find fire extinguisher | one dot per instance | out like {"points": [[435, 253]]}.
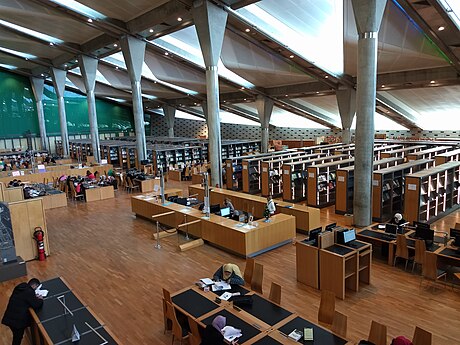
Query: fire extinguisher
{"points": [[38, 236]]}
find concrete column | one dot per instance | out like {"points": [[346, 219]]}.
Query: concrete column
{"points": [[133, 52], [346, 100], [151, 124], [170, 113], [204, 106], [264, 109], [88, 68], [210, 21], [38, 84], [59, 77], [368, 16]]}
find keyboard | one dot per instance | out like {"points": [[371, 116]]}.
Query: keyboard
{"points": [[388, 237], [353, 244]]}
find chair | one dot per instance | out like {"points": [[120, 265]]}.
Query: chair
{"points": [[430, 268], [326, 307], [167, 318], [339, 324], [194, 334], [378, 334], [457, 226], [177, 330], [257, 278], [73, 193], [130, 184], [401, 250], [420, 249], [421, 337], [275, 293], [167, 295], [248, 271]]}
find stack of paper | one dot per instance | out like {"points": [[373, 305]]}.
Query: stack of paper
{"points": [[231, 333], [40, 292], [295, 335], [207, 281], [226, 296], [220, 286]]}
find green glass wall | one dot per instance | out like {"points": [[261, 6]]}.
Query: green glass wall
{"points": [[18, 113]]}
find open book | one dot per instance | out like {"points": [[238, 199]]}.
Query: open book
{"points": [[219, 286], [231, 333]]}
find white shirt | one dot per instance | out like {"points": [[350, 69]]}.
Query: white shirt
{"points": [[271, 206]]}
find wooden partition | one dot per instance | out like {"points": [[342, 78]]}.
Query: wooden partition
{"points": [[11, 194]]}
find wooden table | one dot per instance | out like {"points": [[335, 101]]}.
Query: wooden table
{"points": [[175, 175], [307, 218], [148, 185], [241, 239], [99, 193]]}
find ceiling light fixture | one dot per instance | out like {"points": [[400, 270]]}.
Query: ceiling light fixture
{"points": [[383, 85], [179, 19], [51, 44], [317, 92], [247, 30], [166, 53], [90, 20], [151, 30], [291, 56], [326, 77], [441, 28], [432, 82], [115, 45], [242, 88]]}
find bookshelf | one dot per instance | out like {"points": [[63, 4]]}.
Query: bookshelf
{"points": [[432, 193], [345, 183], [388, 188], [402, 152], [322, 182], [429, 153], [447, 157]]}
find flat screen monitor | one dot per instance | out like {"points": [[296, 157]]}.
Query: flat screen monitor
{"points": [[225, 212], [391, 228], [421, 225], [455, 233], [313, 234], [424, 233], [214, 209], [330, 227], [349, 236]]}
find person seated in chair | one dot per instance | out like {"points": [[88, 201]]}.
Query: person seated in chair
{"points": [[229, 273], [398, 219], [228, 203]]}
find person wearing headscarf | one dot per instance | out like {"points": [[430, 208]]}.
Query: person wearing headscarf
{"points": [[212, 335], [230, 273], [398, 219]]}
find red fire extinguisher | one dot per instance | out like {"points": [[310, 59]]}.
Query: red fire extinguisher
{"points": [[38, 236]]}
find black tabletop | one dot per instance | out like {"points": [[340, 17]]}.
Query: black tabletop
{"points": [[380, 235], [321, 336], [248, 330], [451, 252], [266, 311], [194, 303], [55, 287], [339, 249], [60, 328], [53, 308], [91, 338], [431, 248], [355, 244], [267, 341]]}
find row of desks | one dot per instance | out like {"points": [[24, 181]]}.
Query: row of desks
{"points": [[263, 322], [241, 239], [307, 218]]}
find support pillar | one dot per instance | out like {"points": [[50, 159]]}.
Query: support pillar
{"points": [[346, 100], [38, 84], [59, 77], [170, 113], [88, 68], [368, 17], [133, 52], [264, 109], [210, 21]]}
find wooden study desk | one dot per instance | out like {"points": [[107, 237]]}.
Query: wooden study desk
{"points": [[264, 322], [147, 185], [53, 323], [239, 238], [307, 218], [175, 175], [99, 193]]}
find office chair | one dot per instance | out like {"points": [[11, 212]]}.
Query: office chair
{"points": [[326, 307], [421, 337], [275, 293], [378, 333], [401, 250]]}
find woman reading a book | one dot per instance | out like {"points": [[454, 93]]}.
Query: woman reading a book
{"points": [[230, 273]]}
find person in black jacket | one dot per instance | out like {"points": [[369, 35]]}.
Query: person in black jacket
{"points": [[17, 316], [212, 334]]}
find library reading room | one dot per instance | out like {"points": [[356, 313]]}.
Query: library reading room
{"points": [[207, 172]]}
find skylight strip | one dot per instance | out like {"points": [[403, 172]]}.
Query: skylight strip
{"points": [[20, 54], [80, 8], [30, 32], [10, 67]]}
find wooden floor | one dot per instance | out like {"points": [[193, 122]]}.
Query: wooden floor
{"points": [[108, 257]]}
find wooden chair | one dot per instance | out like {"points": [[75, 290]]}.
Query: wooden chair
{"points": [[378, 334], [194, 334], [167, 318], [248, 271], [430, 269], [167, 295], [420, 249], [177, 331], [131, 185], [257, 278], [421, 337], [73, 193], [326, 307], [339, 324], [401, 250], [275, 293], [457, 226]]}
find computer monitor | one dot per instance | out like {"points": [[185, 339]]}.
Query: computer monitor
{"points": [[349, 236], [214, 208], [330, 227], [455, 233], [424, 233], [421, 225], [313, 234], [225, 212], [391, 228]]}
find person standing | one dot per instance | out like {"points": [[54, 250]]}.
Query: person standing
{"points": [[17, 316], [271, 205]]}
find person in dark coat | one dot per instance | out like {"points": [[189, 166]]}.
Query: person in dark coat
{"points": [[212, 334], [17, 316], [229, 273]]}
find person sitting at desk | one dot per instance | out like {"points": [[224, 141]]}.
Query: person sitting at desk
{"points": [[230, 273], [90, 175], [228, 203], [398, 219], [17, 316], [212, 334]]}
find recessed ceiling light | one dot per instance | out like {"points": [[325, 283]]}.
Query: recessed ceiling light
{"points": [[51, 44], [166, 53], [115, 45], [287, 95], [387, 111], [179, 19], [242, 88], [90, 20], [441, 28], [116, 67], [42, 75], [65, 65], [383, 85], [291, 56], [432, 82], [76, 61], [317, 91], [245, 99], [247, 30], [151, 30]]}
